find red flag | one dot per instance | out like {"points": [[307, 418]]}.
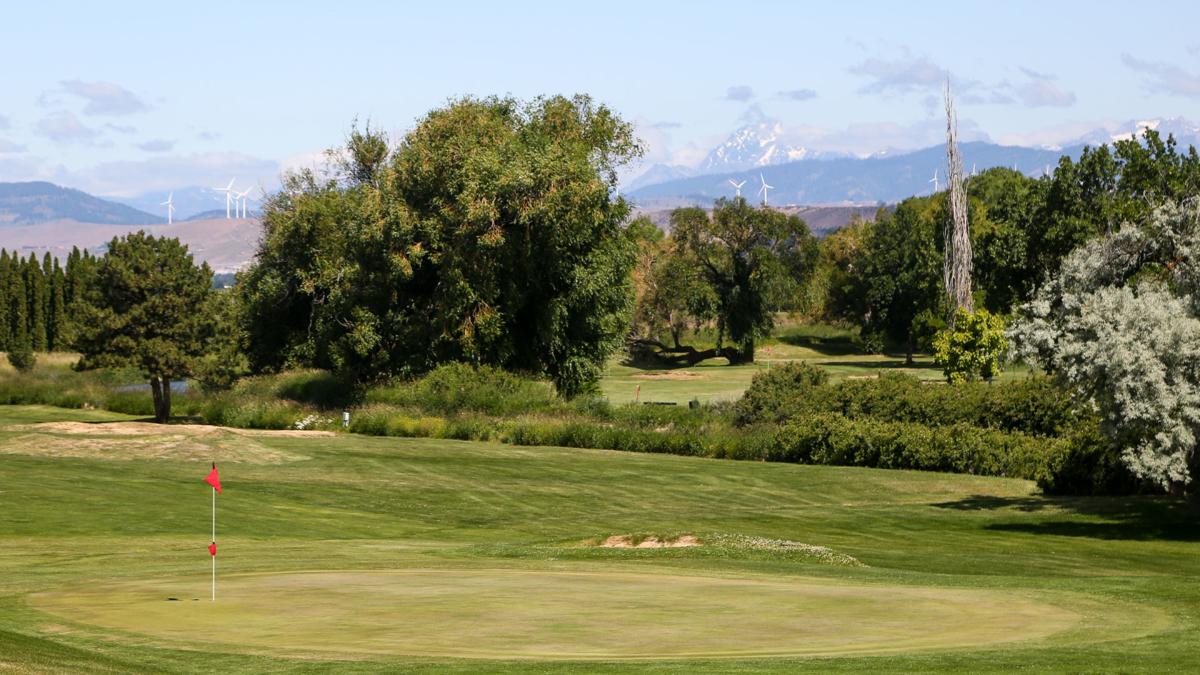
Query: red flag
{"points": [[212, 549], [213, 479]]}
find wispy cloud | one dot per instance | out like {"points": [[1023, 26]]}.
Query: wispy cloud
{"points": [[102, 98], [798, 94], [9, 147], [157, 145], [918, 74], [1165, 77], [65, 127], [903, 75], [666, 125], [121, 128], [1040, 90], [4, 122], [740, 92]]}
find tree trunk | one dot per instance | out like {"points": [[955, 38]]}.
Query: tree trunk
{"points": [[156, 392], [166, 400], [910, 347]]}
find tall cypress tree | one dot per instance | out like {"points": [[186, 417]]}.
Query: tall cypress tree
{"points": [[18, 330], [35, 284], [5, 308], [58, 313]]}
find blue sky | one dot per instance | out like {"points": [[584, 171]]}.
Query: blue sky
{"points": [[121, 98]]}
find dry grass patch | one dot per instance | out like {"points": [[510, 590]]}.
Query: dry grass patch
{"points": [[143, 440]]}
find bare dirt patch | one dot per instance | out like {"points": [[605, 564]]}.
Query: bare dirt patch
{"points": [[143, 440], [670, 375], [626, 541]]}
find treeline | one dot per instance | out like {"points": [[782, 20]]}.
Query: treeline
{"points": [[886, 276], [36, 297]]}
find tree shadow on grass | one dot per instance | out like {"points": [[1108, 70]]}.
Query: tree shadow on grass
{"points": [[1139, 518], [882, 365], [836, 345]]}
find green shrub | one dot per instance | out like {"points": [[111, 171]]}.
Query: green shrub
{"points": [[459, 387], [1034, 405], [778, 388], [973, 347], [22, 358], [829, 438], [1085, 463]]}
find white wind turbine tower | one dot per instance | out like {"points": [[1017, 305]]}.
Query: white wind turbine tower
{"points": [[228, 190], [763, 190], [934, 180], [240, 197], [170, 204], [737, 186]]}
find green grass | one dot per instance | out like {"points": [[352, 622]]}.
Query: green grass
{"points": [[836, 349], [354, 553]]}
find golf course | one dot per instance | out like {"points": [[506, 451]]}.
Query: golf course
{"points": [[351, 553]]}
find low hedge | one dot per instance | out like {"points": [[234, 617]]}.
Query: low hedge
{"points": [[1034, 405]]}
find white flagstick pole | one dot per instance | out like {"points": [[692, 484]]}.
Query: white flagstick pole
{"points": [[214, 539]]}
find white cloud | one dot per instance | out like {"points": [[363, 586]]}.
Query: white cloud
{"points": [[1165, 77], [65, 127], [797, 94], [740, 92], [103, 98], [157, 145], [7, 146]]}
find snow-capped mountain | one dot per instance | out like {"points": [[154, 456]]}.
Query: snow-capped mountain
{"points": [[1185, 131], [761, 141]]}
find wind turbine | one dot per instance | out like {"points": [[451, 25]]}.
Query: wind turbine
{"points": [[228, 190], [170, 204], [241, 197], [763, 190], [934, 180], [737, 186]]}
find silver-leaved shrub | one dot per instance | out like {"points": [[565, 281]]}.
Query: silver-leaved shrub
{"points": [[1119, 325]]}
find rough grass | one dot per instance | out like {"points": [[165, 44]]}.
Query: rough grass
{"points": [[132, 531]]}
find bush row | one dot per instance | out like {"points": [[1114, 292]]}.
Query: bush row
{"points": [[1034, 405]]}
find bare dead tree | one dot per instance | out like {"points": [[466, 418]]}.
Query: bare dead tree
{"points": [[956, 266]]}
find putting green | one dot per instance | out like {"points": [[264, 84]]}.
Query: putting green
{"points": [[554, 614]]}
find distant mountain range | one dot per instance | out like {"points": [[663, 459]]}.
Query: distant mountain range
{"points": [[190, 202], [40, 202], [803, 175]]}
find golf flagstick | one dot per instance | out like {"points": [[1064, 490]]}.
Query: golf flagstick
{"points": [[214, 540], [215, 481]]}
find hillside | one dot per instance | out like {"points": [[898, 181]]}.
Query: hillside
{"points": [[40, 202], [226, 245], [820, 219]]}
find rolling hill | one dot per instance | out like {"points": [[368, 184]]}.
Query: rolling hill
{"points": [[40, 202]]}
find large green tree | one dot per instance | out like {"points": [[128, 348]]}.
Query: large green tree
{"points": [[899, 273], [148, 307], [489, 234], [752, 259]]}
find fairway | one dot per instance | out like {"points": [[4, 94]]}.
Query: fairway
{"points": [[381, 554], [558, 615]]}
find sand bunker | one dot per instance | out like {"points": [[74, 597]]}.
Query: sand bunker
{"points": [[143, 440], [670, 375], [626, 541]]}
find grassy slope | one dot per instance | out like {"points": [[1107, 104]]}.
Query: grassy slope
{"points": [[368, 503]]}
